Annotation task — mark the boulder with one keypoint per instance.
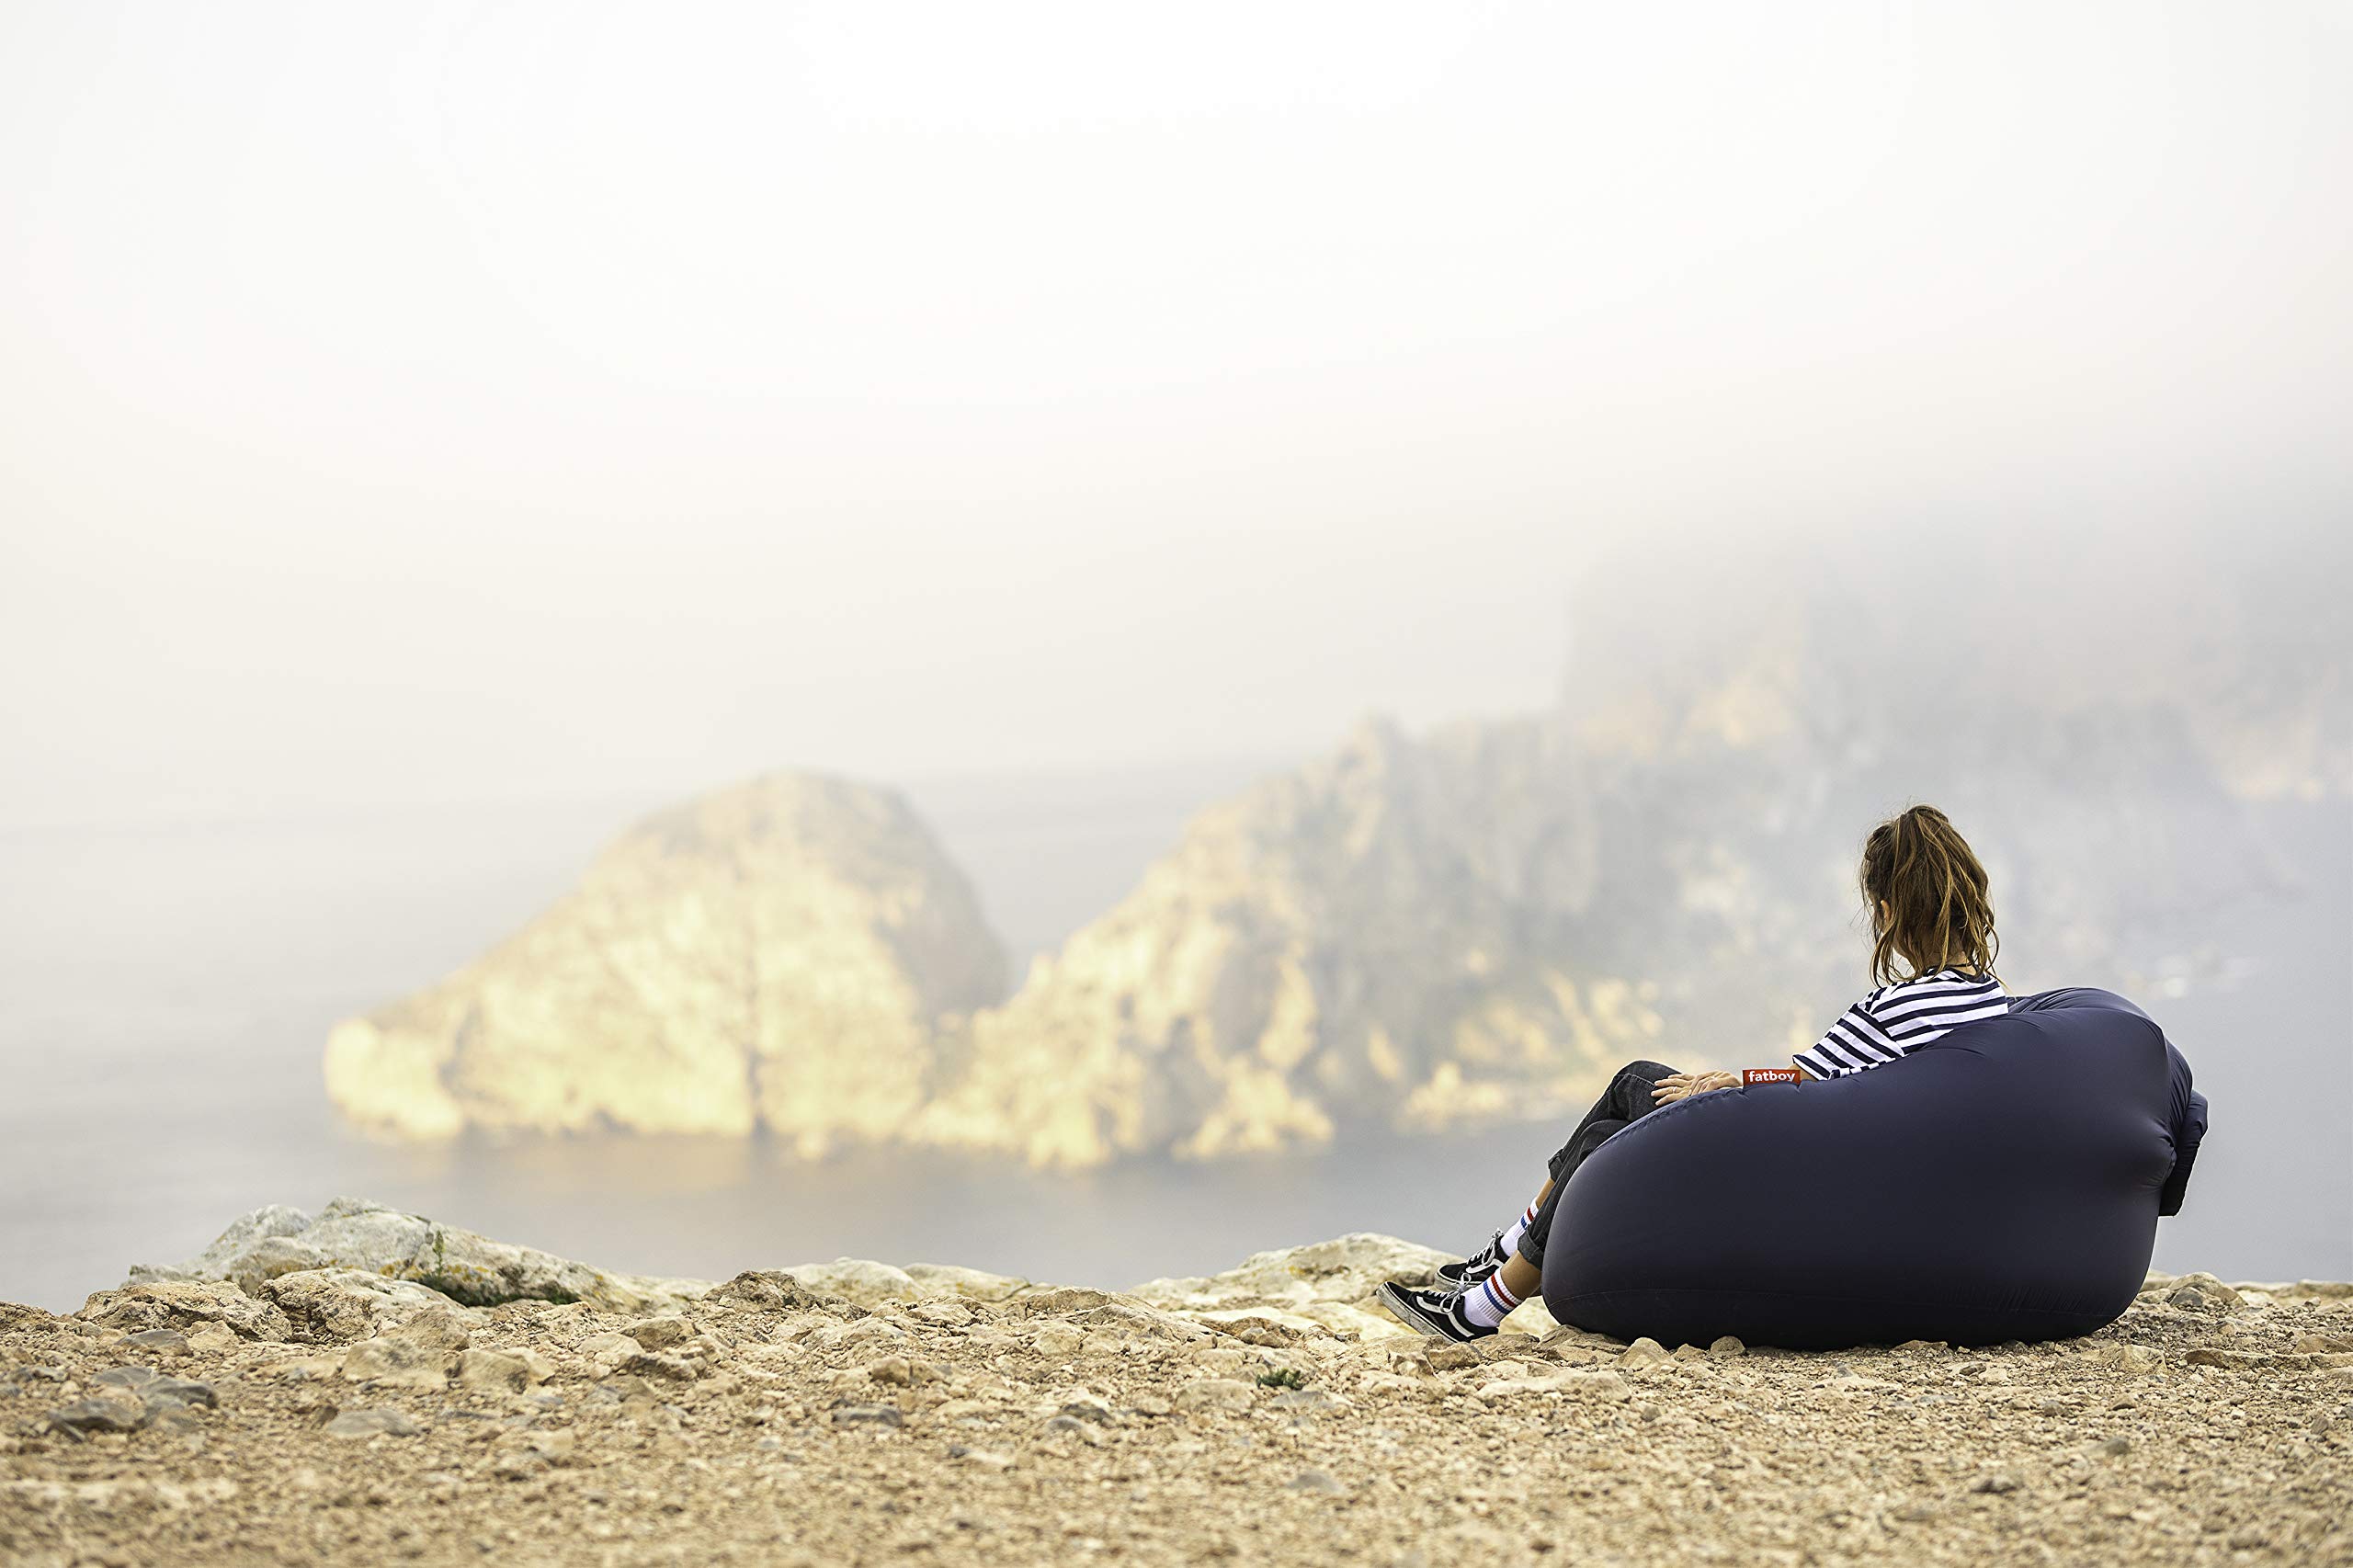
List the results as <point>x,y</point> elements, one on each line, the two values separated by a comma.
<point>1278,1325</point>
<point>2203,1294</point>
<point>856,1280</point>
<point>87,1415</point>
<point>177,1393</point>
<point>2133,1360</point>
<point>352,1234</point>
<point>185,1304</point>
<point>2229,1360</point>
<point>419,1353</point>
<point>335,1306</point>
<point>270,1257</point>
<point>652,1364</point>
<point>390,1362</point>
<point>1346,1270</point>
<point>438,1328</point>
<point>606,1353</point>
<point>943,1314</point>
<point>1124,1319</point>
<point>383,1421</point>
<point>244,1235</point>
<point>14,1315</point>
<point>661,1333</point>
<point>1057,1341</point>
<point>766,1291</point>
<point>495,1372</point>
<point>1644,1352</point>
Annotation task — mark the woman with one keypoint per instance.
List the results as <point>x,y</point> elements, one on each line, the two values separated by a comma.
<point>1929,916</point>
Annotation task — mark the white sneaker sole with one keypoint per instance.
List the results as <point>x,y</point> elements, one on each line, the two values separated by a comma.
<point>1403,1308</point>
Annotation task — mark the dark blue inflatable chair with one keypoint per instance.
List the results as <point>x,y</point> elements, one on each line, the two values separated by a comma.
<point>2001,1183</point>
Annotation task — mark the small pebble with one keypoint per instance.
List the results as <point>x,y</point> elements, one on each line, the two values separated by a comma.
<point>382,1421</point>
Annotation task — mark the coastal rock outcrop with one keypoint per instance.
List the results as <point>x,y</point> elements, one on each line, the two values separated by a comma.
<point>359,1262</point>
<point>1424,931</point>
<point>1384,936</point>
<point>780,955</point>
<point>1379,938</point>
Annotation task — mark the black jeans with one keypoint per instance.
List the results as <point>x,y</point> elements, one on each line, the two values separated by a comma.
<point>1627,1098</point>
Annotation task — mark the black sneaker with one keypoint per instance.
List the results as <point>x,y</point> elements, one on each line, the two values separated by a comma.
<point>1438,1313</point>
<point>1474,1269</point>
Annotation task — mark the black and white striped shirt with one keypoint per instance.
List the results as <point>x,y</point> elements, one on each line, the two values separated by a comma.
<point>1897,1019</point>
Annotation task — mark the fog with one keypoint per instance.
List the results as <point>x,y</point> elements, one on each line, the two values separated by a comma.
<point>462,401</point>
<point>436,434</point>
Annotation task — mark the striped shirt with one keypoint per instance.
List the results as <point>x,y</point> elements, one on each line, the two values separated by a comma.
<point>1895,1021</point>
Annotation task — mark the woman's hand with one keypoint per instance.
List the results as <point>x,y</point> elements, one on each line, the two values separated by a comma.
<point>1683,1086</point>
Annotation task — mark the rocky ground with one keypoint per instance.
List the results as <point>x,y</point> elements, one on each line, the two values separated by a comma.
<point>301,1392</point>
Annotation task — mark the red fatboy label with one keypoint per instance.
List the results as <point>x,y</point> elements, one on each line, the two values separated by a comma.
<point>1769,1075</point>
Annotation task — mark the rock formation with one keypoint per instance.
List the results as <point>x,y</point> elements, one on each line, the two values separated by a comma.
<point>1425,931</point>
<point>388,1247</point>
<point>860,1412</point>
<point>1383,938</point>
<point>780,955</point>
<point>1389,935</point>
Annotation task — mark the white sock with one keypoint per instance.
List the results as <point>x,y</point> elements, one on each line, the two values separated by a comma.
<point>1518,1229</point>
<point>1487,1303</point>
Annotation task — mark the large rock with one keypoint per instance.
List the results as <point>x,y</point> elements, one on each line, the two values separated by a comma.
<point>418,1354</point>
<point>184,1305</point>
<point>1384,936</point>
<point>244,1239</point>
<point>1346,1271</point>
<point>863,1283</point>
<point>13,1314</point>
<point>1323,1289</point>
<point>854,1279</point>
<point>334,1306</point>
<point>352,1234</point>
<point>383,1421</point>
<point>777,955</point>
<point>766,1291</point>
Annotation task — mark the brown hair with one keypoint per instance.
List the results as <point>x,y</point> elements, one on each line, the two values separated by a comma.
<point>1937,914</point>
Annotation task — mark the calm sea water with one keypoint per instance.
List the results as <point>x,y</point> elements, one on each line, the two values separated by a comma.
<point>165,992</point>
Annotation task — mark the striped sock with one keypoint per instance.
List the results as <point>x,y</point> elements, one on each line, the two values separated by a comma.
<point>1518,1229</point>
<point>1487,1303</point>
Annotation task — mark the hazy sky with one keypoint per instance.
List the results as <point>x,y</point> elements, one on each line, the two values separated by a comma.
<point>426,400</point>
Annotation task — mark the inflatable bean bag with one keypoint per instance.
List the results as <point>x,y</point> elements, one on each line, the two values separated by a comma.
<point>2001,1183</point>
